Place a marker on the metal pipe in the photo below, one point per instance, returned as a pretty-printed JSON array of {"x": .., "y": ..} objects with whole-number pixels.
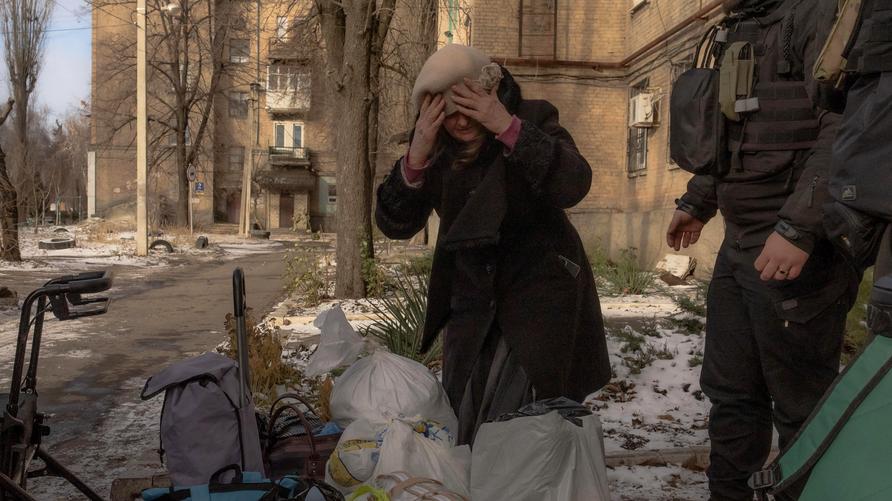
[
  {"x": 142, "y": 233},
  {"x": 608, "y": 65}
]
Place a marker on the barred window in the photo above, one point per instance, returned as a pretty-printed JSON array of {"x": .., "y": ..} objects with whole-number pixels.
[{"x": 637, "y": 145}]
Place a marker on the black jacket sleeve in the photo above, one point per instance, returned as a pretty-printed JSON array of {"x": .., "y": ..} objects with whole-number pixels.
[
  {"x": 700, "y": 200},
  {"x": 548, "y": 160},
  {"x": 401, "y": 211},
  {"x": 803, "y": 208}
]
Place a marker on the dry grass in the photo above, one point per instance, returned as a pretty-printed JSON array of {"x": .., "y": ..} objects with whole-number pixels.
[
  {"x": 102, "y": 231},
  {"x": 268, "y": 371}
]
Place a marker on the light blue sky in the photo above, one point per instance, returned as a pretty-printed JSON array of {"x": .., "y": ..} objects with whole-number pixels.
[{"x": 65, "y": 77}]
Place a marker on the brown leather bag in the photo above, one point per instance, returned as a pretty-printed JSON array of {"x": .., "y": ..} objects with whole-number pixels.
[{"x": 303, "y": 455}]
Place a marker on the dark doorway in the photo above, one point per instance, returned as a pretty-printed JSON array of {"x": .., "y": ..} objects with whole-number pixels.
[
  {"x": 233, "y": 207},
  {"x": 286, "y": 210}
]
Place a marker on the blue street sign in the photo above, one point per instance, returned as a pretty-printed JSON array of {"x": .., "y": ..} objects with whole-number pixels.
[{"x": 199, "y": 187}]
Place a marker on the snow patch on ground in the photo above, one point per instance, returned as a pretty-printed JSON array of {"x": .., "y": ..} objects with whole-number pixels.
[
  {"x": 656, "y": 483},
  {"x": 101, "y": 248},
  {"x": 125, "y": 444}
]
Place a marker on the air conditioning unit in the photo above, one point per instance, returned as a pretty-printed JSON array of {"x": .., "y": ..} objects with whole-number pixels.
[{"x": 641, "y": 110}]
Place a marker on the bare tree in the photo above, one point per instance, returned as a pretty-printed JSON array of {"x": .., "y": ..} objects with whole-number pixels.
[
  {"x": 24, "y": 24},
  {"x": 9, "y": 204},
  {"x": 354, "y": 33},
  {"x": 189, "y": 76}
]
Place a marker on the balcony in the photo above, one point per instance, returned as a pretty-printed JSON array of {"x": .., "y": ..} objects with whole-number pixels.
[
  {"x": 287, "y": 49},
  {"x": 285, "y": 179},
  {"x": 289, "y": 156},
  {"x": 288, "y": 101}
]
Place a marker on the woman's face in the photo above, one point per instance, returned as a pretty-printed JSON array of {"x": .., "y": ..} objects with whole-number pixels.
[{"x": 463, "y": 128}]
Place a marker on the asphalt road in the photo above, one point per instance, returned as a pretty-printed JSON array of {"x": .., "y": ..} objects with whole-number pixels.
[{"x": 91, "y": 370}]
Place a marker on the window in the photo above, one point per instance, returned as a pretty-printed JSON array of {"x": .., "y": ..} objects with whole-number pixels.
[
  {"x": 239, "y": 50},
  {"x": 332, "y": 194},
  {"x": 283, "y": 77},
  {"x": 282, "y": 27},
  {"x": 236, "y": 158},
  {"x": 637, "y": 146},
  {"x": 538, "y": 28},
  {"x": 289, "y": 135},
  {"x": 238, "y": 104},
  {"x": 677, "y": 68}
]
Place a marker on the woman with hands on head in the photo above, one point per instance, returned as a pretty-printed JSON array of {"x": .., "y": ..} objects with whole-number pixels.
[{"x": 511, "y": 291}]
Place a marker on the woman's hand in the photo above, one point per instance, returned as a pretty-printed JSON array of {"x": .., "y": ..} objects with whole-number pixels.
[
  {"x": 472, "y": 100},
  {"x": 426, "y": 128}
]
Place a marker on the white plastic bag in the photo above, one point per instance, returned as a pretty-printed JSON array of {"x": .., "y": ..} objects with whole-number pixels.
[
  {"x": 355, "y": 457},
  {"x": 383, "y": 386},
  {"x": 540, "y": 458},
  {"x": 404, "y": 449},
  {"x": 339, "y": 344}
]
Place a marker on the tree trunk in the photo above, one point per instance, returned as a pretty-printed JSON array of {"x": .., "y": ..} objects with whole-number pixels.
[
  {"x": 354, "y": 172},
  {"x": 182, "y": 181},
  {"x": 9, "y": 215}
]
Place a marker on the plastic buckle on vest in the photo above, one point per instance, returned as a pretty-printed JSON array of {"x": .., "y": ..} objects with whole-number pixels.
[
  {"x": 748, "y": 105},
  {"x": 721, "y": 36},
  {"x": 784, "y": 68},
  {"x": 764, "y": 479}
]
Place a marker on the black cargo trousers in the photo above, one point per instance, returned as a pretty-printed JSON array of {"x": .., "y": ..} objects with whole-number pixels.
[{"x": 772, "y": 349}]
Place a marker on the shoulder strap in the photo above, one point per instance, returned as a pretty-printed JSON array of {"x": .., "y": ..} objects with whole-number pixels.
[{"x": 849, "y": 390}]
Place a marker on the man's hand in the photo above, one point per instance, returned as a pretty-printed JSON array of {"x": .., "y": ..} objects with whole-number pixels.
[
  {"x": 780, "y": 260},
  {"x": 684, "y": 230},
  {"x": 474, "y": 101}
]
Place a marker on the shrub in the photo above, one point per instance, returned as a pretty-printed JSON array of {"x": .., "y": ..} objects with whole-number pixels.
[
  {"x": 372, "y": 272},
  {"x": 304, "y": 276},
  {"x": 691, "y": 314},
  {"x": 624, "y": 276},
  {"x": 400, "y": 320},
  {"x": 267, "y": 369}
]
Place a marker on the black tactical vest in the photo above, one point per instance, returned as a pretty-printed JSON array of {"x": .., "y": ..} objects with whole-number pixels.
[{"x": 786, "y": 119}]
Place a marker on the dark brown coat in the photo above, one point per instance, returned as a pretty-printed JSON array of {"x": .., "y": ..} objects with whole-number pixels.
[{"x": 528, "y": 270}]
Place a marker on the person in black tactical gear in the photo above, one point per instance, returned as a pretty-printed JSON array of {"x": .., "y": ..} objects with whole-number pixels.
[
  {"x": 780, "y": 291},
  {"x": 859, "y": 217}
]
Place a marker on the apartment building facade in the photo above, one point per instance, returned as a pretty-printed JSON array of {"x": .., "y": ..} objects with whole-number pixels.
[
  {"x": 608, "y": 66},
  {"x": 267, "y": 114}
]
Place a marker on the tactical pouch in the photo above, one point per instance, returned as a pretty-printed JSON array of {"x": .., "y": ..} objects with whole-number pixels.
[
  {"x": 831, "y": 61},
  {"x": 697, "y": 126},
  {"x": 856, "y": 234},
  {"x": 736, "y": 81}
]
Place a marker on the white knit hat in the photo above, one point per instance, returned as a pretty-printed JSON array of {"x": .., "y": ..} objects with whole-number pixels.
[{"x": 449, "y": 66}]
